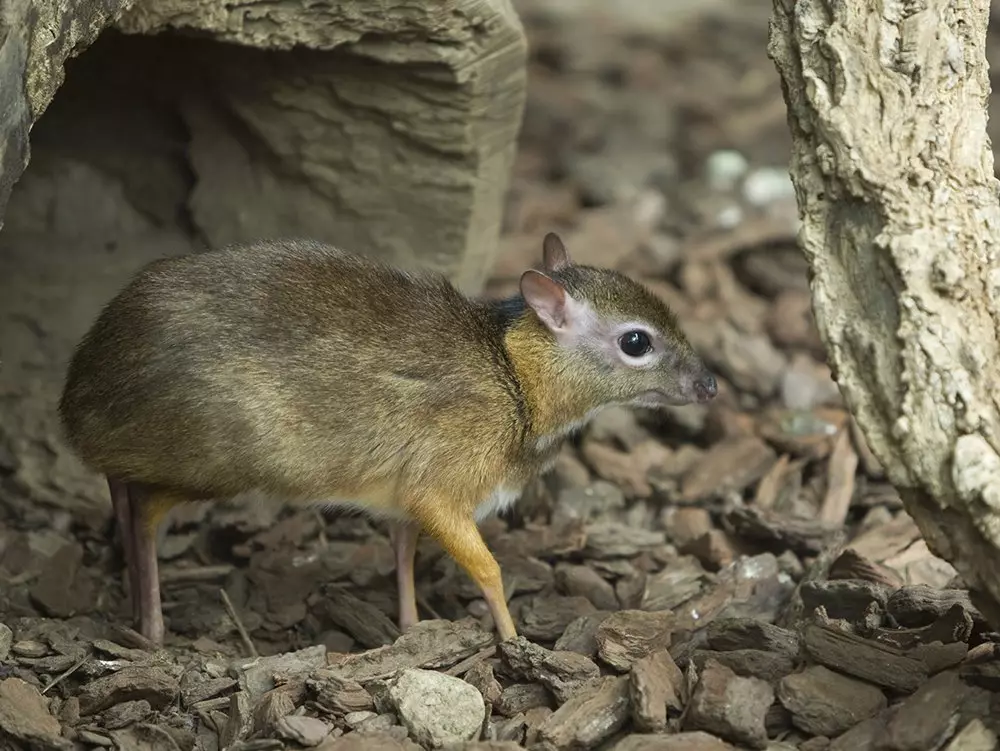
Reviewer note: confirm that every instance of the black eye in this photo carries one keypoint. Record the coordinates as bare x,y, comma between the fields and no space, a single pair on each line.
635,343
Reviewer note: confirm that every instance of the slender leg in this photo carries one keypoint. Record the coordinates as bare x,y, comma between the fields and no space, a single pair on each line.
404,537
147,511
461,539
123,519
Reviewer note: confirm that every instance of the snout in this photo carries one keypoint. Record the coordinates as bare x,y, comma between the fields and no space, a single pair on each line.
704,387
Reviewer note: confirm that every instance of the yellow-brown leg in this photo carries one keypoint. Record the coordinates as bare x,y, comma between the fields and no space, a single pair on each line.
404,544
460,537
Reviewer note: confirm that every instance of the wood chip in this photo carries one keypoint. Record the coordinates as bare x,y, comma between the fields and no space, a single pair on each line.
727,634
749,663
560,672
806,434
547,616
778,533
338,694
429,644
731,465
584,581
580,636
823,702
925,719
864,659
518,698
658,692
369,626
129,684
850,565
589,718
886,540
848,599
481,676
730,706
629,635
920,605
841,469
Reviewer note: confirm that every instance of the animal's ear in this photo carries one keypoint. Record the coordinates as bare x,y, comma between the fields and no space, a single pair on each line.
546,297
554,255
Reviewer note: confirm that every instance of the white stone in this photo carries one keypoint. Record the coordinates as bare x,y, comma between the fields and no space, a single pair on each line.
437,708
725,168
768,185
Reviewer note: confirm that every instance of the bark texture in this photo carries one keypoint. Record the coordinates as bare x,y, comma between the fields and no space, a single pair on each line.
899,205
385,127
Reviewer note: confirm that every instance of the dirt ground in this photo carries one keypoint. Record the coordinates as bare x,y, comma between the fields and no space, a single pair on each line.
737,576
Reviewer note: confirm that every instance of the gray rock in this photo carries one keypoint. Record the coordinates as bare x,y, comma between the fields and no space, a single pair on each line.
437,708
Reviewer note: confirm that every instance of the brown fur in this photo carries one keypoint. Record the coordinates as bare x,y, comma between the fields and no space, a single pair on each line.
315,375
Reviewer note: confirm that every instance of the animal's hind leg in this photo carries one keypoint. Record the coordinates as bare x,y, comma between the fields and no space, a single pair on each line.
120,502
147,510
404,537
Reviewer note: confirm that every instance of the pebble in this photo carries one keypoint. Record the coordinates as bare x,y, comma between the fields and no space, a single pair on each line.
725,168
768,185
353,719
729,217
380,723
437,708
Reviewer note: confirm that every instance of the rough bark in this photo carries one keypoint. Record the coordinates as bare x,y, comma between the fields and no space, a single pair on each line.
893,172
385,127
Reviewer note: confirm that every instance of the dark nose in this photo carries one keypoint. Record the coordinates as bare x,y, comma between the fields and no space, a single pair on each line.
705,387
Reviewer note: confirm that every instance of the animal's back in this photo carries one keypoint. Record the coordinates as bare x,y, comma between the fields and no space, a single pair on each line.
291,367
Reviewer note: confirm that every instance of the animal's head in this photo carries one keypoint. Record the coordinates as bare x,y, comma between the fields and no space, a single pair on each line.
614,337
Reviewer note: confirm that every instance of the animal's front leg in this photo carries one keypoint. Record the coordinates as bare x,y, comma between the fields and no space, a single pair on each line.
459,535
404,537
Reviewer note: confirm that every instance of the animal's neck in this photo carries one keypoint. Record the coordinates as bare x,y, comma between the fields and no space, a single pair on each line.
558,400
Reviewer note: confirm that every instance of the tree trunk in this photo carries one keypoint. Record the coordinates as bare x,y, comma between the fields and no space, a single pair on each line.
893,172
